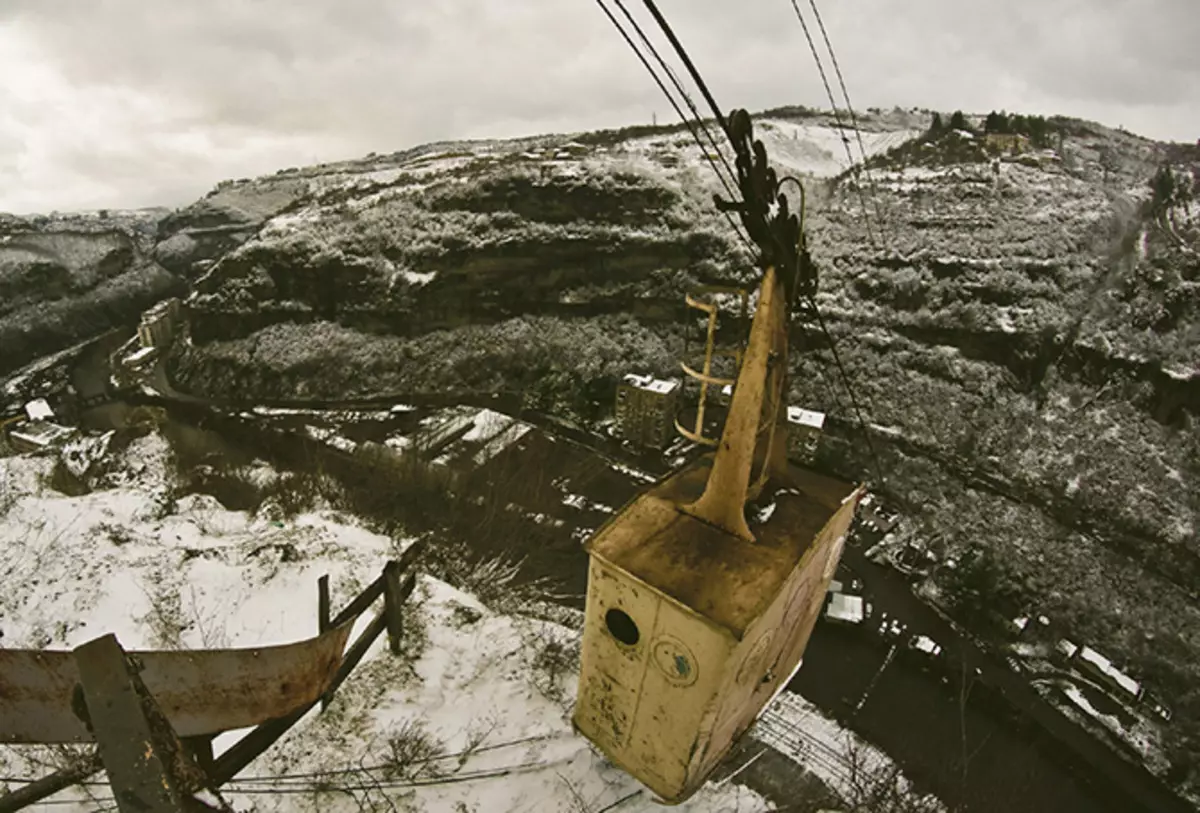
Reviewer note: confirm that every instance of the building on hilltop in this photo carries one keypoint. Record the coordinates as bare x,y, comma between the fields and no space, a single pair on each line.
645,410
1014,143
160,323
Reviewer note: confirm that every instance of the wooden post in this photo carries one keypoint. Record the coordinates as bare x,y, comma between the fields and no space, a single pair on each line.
393,605
323,613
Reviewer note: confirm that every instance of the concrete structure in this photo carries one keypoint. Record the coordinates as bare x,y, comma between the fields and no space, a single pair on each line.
131,368
1101,668
39,410
844,609
804,432
32,436
160,323
645,410
1066,648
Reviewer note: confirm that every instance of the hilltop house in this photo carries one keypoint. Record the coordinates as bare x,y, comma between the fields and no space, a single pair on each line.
1013,143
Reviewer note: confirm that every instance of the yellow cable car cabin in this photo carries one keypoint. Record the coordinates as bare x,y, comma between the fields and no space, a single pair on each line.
697,617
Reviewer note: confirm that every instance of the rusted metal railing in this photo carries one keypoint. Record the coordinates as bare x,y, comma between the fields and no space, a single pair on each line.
153,715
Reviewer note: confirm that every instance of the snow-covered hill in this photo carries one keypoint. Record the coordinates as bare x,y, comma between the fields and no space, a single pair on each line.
468,718
1020,330
1021,327
473,715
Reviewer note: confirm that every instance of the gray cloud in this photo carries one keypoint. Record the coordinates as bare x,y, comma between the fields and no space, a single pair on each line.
126,102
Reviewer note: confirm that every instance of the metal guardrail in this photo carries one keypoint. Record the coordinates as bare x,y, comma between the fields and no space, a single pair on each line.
153,715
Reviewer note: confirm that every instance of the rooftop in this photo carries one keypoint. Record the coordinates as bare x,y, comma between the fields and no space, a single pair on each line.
39,433
140,355
805,417
845,608
652,384
727,580
39,410
158,309
1105,666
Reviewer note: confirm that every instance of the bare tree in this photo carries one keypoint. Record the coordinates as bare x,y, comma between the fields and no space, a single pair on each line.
871,784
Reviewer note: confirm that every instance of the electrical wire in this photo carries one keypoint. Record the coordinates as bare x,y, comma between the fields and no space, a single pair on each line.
619,802
687,61
837,69
331,772
686,98
837,117
679,111
837,359
390,784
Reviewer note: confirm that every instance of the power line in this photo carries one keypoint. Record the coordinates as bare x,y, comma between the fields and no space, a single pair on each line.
273,778
850,108
686,98
837,359
837,117
687,61
675,105
386,784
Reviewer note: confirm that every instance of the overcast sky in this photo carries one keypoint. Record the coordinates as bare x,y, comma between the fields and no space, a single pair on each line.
129,103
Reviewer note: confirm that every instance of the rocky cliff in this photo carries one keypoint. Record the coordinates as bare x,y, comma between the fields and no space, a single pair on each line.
66,278
1024,340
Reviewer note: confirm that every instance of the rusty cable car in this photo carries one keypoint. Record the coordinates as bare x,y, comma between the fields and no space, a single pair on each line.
697,616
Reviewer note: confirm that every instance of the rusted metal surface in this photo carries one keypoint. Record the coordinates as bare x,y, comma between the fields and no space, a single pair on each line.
138,747
200,692
247,749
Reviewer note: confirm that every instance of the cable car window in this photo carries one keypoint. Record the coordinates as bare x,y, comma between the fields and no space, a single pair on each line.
621,626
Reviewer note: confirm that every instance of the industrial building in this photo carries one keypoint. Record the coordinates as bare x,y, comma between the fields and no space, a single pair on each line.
160,323
804,432
645,410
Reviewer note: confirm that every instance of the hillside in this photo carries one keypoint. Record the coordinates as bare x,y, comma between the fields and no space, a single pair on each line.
1020,330
1025,345
64,278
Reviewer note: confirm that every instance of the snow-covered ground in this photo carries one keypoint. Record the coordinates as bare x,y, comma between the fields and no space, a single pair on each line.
845,762
473,717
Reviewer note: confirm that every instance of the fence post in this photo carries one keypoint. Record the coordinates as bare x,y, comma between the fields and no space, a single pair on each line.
323,616
393,605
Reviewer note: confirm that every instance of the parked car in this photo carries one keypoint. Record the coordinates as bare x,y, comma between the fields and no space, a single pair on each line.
891,627
926,645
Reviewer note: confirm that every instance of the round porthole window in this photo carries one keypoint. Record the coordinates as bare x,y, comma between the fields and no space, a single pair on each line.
621,626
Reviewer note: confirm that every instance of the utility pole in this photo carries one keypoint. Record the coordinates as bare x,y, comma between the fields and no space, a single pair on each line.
654,119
